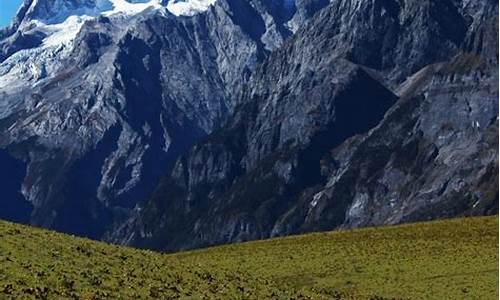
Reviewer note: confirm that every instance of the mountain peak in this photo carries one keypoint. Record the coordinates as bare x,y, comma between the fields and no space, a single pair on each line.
58,11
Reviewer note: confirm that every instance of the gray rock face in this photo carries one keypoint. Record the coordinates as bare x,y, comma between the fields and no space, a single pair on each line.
376,112
94,113
433,156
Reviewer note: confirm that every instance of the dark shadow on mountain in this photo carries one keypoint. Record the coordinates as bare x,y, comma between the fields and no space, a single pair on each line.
83,214
13,205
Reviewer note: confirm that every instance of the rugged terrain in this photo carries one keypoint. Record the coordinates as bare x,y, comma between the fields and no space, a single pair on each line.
454,259
99,98
376,112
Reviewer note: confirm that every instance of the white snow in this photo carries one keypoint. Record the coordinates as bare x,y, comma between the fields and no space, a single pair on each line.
189,7
64,31
176,7
62,28
27,67
129,8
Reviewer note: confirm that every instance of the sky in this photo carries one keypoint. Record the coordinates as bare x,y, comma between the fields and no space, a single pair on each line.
8,9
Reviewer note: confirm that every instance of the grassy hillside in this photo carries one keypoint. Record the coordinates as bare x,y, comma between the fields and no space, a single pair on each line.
456,259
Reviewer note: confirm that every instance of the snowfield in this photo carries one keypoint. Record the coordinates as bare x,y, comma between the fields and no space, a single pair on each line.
27,67
189,7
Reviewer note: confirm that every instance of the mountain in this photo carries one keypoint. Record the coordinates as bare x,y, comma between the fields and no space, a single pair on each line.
171,125
376,112
455,259
99,97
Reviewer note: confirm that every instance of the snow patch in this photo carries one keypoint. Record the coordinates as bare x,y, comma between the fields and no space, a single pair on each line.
63,30
189,7
131,8
27,67
62,33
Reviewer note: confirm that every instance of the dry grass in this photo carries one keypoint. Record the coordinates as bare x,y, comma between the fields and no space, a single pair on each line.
455,259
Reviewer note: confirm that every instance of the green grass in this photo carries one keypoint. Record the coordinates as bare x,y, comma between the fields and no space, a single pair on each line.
455,259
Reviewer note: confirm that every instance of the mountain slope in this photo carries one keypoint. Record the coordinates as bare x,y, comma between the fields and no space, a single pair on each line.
99,98
447,259
341,138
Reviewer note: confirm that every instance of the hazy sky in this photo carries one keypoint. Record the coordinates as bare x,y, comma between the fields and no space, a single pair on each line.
8,9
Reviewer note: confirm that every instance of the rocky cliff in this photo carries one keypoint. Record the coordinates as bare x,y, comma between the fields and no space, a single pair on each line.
376,112
99,98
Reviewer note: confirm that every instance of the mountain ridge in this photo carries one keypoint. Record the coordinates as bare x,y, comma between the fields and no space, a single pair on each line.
96,119
268,172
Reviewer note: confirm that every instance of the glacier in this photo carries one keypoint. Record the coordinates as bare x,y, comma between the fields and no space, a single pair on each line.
59,29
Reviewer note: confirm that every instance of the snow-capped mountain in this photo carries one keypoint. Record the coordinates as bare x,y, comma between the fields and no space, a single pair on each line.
53,26
99,97
179,124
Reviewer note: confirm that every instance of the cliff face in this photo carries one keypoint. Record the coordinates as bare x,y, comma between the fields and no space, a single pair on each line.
376,112
99,98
